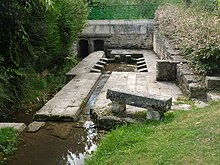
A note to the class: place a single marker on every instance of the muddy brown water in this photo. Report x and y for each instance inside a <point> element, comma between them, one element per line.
<point>56,144</point>
<point>120,67</point>
<point>60,143</point>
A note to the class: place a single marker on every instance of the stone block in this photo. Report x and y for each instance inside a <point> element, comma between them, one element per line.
<point>129,59</point>
<point>185,70</point>
<point>187,79</point>
<point>141,62</point>
<point>213,96</point>
<point>95,70</point>
<point>212,82</point>
<point>18,126</point>
<point>104,59</point>
<point>117,58</point>
<point>101,63</point>
<point>166,70</point>
<point>158,103</point>
<point>197,91</point>
<point>143,70</point>
<point>154,115</point>
<point>140,59</point>
<point>141,66</point>
<point>118,106</point>
<point>35,126</point>
<point>97,66</point>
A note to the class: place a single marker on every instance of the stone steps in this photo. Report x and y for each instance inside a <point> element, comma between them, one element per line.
<point>93,70</point>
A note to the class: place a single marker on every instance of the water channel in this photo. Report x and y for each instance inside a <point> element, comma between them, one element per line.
<point>65,143</point>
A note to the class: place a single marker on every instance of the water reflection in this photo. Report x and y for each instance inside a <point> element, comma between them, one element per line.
<point>73,158</point>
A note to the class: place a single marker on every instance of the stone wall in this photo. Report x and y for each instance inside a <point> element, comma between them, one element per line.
<point>120,34</point>
<point>190,84</point>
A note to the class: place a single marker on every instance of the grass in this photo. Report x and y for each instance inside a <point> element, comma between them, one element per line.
<point>184,137</point>
<point>8,143</point>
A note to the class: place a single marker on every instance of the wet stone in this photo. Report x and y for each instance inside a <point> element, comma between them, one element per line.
<point>35,126</point>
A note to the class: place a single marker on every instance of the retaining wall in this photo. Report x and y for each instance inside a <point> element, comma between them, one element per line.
<point>190,83</point>
<point>120,34</point>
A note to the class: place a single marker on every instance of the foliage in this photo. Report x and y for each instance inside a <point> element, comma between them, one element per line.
<point>110,12</point>
<point>8,142</point>
<point>184,137</point>
<point>196,32</point>
<point>35,38</point>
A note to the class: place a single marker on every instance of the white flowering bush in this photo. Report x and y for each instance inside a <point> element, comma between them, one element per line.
<point>196,33</point>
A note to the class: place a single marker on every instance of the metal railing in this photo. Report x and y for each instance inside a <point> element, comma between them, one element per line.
<point>98,12</point>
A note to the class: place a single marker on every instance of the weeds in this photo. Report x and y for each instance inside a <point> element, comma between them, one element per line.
<point>8,142</point>
<point>195,32</point>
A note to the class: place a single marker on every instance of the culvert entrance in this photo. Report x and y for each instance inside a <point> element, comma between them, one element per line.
<point>98,45</point>
<point>83,49</point>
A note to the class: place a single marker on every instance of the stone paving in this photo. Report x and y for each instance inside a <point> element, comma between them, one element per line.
<point>142,82</point>
<point>86,64</point>
<point>67,104</point>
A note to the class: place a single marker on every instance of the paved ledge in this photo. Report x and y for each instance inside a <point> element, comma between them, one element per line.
<point>86,64</point>
<point>18,126</point>
<point>67,103</point>
<point>212,82</point>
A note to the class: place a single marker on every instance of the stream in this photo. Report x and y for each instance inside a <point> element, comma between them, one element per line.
<point>63,143</point>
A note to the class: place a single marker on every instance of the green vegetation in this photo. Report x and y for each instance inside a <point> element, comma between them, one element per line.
<point>184,137</point>
<point>123,9</point>
<point>36,38</point>
<point>8,142</point>
<point>195,31</point>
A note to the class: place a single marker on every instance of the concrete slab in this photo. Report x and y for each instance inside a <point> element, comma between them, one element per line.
<point>86,64</point>
<point>18,126</point>
<point>67,103</point>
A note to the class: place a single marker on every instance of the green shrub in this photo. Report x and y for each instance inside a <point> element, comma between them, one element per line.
<point>35,38</point>
<point>195,32</point>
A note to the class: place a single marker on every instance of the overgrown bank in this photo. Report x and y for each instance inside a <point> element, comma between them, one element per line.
<point>8,143</point>
<point>184,137</point>
<point>195,31</point>
<point>35,45</point>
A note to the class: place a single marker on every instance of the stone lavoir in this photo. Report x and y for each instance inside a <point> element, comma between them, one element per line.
<point>101,44</point>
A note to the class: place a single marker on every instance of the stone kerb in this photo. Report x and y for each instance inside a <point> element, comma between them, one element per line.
<point>212,82</point>
<point>156,105</point>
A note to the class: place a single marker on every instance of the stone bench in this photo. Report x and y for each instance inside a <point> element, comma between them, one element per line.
<point>157,105</point>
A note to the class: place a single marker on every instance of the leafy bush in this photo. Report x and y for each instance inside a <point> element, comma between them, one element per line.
<point>35,38</point>
<point>195,32</point>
